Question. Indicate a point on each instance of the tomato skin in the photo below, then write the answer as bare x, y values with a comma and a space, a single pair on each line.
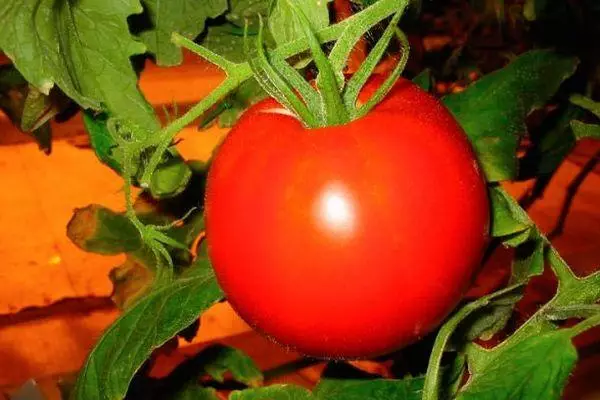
348, 241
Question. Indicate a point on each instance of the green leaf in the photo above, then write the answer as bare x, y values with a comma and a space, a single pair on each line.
529, 259
374, 389
247, 94
82, 46
171, 177
101, 140
284, 25
147, 325
195, 392
508, 219
241, 11
28, 108
587, 104
227, 40
487, 321
493, 110
553, 141
99, 230
535, 368
273, 392
37, 110
423, 80
220, 359
585, 131
186, 17
511, 223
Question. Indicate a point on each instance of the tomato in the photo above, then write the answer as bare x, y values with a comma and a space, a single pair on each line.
347, 241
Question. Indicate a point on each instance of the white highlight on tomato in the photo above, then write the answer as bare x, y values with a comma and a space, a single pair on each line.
336, 212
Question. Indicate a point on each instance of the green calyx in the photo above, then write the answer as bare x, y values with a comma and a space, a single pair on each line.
309, 108
331, 101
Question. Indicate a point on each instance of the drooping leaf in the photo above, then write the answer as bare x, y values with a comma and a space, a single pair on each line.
36, 110
186, 17
99, 230
148, 324
535, 368
285, 27
27, 108
43, 137
218, 359
13, 90
83, 47
493, 110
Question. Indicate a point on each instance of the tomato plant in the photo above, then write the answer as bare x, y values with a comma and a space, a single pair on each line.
350, 248
345, 215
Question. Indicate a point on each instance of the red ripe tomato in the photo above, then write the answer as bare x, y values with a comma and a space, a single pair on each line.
347, 241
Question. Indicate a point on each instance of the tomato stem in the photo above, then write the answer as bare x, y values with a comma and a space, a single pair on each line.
239, 73
433, 377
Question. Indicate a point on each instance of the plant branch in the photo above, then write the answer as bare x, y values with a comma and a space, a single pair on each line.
433, 376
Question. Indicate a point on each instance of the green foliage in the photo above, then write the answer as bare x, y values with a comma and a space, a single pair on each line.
231, 109
172, 174
195, 392
285, 27
339, 389
373, 389
27, 107
492, 110
583, 130
186, 17
273, 392
99, 230
83, 47
227, 40
148, 324
539, 367
241, 11
423, 80
219, 359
